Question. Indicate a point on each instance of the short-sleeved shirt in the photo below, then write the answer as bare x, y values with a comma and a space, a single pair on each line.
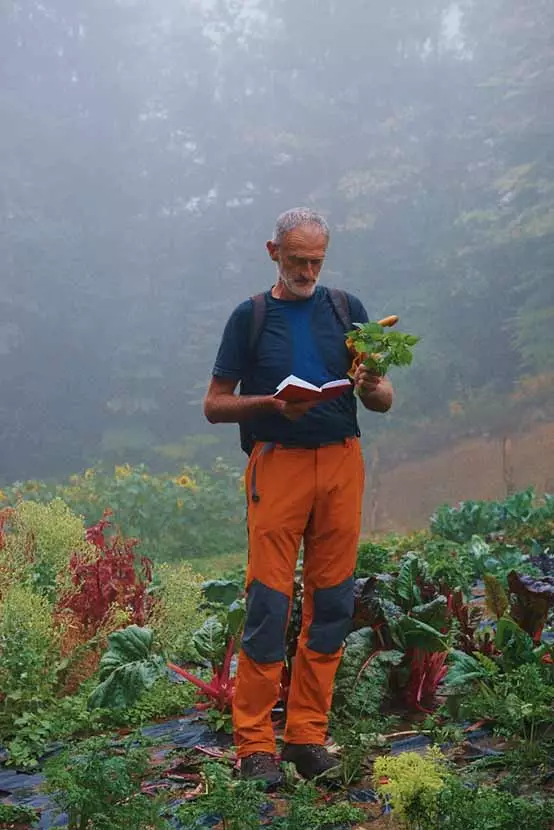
300, 337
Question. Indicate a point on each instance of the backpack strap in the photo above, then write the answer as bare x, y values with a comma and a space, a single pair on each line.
256, 320
339, 301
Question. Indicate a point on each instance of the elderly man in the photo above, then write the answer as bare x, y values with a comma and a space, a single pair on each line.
304, 482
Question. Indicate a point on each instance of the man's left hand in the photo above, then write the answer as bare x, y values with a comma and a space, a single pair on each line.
375, 391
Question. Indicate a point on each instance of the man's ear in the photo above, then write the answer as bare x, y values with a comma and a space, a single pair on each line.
273, 250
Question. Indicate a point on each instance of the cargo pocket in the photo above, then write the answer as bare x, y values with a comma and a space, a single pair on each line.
267, 613
332, 620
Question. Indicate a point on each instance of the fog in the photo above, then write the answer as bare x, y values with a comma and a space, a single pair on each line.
146, 147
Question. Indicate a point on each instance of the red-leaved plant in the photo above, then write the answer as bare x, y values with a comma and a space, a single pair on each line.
116, 577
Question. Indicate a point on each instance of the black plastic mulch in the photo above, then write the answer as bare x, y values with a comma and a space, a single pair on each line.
187, 732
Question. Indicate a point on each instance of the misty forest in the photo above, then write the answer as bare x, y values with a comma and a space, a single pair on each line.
146, 150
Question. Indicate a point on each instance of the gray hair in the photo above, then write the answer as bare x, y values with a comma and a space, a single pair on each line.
291, 219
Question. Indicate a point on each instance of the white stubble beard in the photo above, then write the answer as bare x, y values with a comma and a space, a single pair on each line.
301, 293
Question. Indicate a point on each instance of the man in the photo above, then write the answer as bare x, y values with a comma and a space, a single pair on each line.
304, 481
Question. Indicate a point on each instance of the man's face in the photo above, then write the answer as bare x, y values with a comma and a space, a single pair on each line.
299, 258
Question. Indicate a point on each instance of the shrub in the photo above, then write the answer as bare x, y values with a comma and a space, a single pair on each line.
97, 783
176, 613
412, 782
38, 542
113, 576
483, 808
29, 652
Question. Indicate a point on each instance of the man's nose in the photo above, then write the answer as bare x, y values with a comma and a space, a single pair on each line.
309, 270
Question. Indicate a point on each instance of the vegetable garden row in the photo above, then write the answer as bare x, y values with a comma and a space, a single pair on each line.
116, 678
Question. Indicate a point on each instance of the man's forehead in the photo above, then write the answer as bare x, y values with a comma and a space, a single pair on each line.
305, 240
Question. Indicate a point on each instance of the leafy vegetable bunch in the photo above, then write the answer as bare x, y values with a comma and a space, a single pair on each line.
372, 345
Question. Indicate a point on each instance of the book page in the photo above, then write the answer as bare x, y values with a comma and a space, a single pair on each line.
333, 384
292, 380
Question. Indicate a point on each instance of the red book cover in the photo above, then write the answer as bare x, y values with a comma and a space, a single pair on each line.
296, 390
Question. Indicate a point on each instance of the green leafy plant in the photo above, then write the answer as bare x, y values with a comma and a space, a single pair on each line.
355, 737
467, 807
412, 783
307, 812
131, 665
236, 803
29, 654
373, 559
408, 614
362, 679
176, 612
379, 348
69, 717
98, 784
127, 668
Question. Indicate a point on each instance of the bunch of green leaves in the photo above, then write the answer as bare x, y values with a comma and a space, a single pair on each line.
133, 662
382, 347
97, 783
495, 558
405, 619
236, 802
463, 807
449, 563
307, 812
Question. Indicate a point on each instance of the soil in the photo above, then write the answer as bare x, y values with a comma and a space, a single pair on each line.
408, 493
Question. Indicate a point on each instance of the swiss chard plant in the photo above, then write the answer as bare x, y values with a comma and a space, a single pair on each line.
131, 664
408, 615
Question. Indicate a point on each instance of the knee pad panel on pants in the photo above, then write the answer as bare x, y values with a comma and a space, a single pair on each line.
332, 619
265, 628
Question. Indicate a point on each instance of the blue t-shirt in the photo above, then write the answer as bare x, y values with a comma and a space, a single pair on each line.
300, 337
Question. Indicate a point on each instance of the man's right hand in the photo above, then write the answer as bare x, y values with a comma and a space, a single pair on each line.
294, 411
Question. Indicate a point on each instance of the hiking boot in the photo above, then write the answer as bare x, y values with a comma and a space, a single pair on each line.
310, 760
261, 766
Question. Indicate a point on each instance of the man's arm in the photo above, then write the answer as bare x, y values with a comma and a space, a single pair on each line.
222, 406
376, 392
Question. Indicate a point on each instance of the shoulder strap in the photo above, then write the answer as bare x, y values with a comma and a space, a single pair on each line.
256, 320
341, 305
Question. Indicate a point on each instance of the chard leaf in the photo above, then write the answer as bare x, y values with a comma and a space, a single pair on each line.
465, 670
127, 669
221, 591
412, 569
417, 634
433, 613
210, 641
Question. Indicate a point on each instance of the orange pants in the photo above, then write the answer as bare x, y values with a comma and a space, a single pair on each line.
295, 494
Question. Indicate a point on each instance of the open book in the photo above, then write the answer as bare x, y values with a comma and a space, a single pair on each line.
296, 390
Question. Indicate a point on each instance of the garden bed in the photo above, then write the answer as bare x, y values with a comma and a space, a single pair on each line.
443, 705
